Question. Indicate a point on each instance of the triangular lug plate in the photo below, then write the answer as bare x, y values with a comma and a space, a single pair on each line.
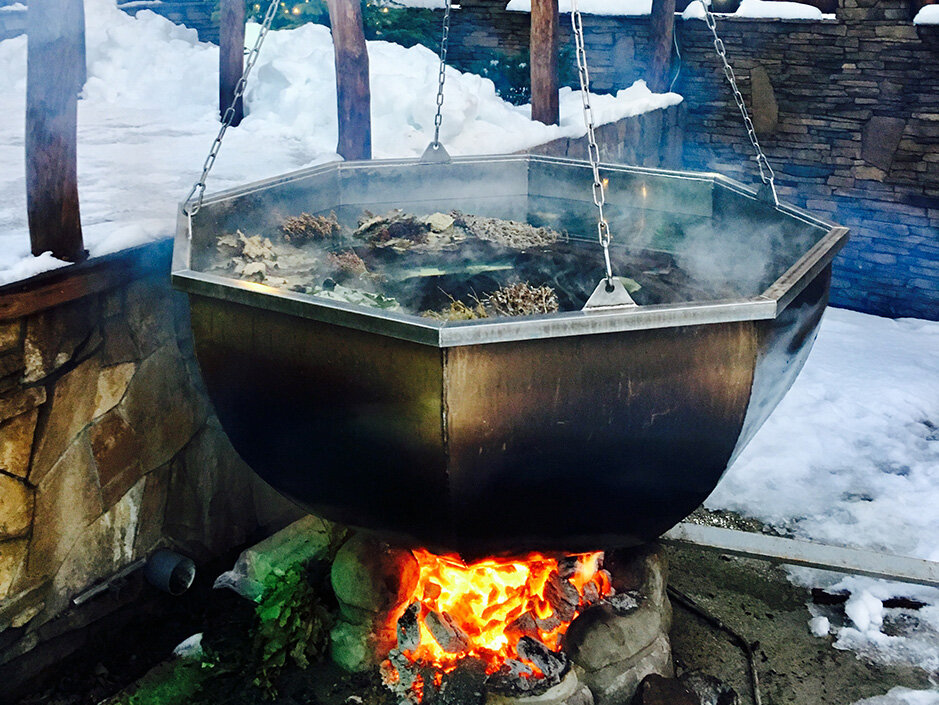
603, 298
435, 154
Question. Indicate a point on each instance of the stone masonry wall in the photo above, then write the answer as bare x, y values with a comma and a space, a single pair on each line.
109, 449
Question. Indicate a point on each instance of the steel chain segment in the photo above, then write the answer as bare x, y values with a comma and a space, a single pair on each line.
442, 76
190, 208
767, 175
593, 150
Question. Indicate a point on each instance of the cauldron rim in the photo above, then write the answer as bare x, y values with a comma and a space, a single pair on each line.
443, 334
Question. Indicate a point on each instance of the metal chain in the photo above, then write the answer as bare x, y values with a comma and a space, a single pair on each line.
593, 151
197, 192
767, 175
442, 77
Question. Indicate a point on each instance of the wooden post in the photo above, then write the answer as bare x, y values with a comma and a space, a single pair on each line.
662, 25
353, 96
543, 60
54, 72
231, 44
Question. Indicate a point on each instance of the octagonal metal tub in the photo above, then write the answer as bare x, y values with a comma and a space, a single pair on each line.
571, 431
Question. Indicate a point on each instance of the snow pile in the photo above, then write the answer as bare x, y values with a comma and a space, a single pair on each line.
148, 115
928, 14
851, 457
903, 696
591, 7
762, 9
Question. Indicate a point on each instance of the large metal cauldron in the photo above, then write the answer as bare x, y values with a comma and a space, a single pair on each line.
573, 431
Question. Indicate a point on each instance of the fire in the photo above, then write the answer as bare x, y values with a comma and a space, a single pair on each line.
483, 609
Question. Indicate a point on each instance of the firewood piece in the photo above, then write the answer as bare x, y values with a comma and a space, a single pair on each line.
562, 596
513, 677
544, 61
552, 665
567, 566
353, 94
523, 626
591, 594
231, 56
446, 632
409, 630
548, 624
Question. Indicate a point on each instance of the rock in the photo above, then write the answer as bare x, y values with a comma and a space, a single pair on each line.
880, 138
657, 690
355, 647
764, 107
304, 540
163, 406
71, 410
67, 500
617, 683
602, 636
869, 173
12, 561
16, 443
112, 383
16, 507
100, 549
21, 401
116, 449
148, 312
53, 336
152, 511
372, 576
570, 691
642, 570
10, 335
708, 689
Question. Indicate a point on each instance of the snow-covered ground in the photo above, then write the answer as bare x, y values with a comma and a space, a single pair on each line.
148, 115
851, 457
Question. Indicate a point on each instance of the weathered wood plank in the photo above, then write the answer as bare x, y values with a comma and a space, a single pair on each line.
353, 94
662, 25
231, 56
54, 76
543, 61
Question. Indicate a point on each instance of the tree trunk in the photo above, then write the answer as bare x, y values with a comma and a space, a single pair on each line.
54, 75
543, 60
231, 56
353, 96
662, 25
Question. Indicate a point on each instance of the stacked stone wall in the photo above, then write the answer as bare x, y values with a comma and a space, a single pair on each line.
109, 449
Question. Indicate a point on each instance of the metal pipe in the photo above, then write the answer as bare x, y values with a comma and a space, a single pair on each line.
170, 572
777, 549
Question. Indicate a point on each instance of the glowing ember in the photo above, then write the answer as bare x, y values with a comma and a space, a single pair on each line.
483, 609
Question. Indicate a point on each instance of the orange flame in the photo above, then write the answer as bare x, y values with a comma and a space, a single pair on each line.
481, 602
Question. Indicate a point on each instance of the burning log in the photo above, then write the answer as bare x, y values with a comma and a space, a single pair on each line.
523, 626
553, 666
446, 632
562, 596
409, 629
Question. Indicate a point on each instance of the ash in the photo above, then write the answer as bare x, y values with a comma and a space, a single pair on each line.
448, 266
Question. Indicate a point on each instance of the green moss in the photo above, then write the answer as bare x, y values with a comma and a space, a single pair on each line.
174, 682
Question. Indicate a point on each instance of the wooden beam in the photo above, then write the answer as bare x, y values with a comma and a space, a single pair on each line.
543, 61
231, 33
54, 75
662, 26
353, 95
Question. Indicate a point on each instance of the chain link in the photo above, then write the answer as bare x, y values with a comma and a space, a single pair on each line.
196, 195
767, 175
593, 151
442, 77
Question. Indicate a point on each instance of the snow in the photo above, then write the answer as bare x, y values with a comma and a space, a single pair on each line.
928, 14
762, 9
148, 115
851, 457
819, 626
903, 696
592, 7
15, 7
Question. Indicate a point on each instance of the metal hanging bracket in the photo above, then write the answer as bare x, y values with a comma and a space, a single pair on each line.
435, 154
609, 294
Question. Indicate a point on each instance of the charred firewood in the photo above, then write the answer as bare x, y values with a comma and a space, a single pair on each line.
624, 602
513, 678
568, 566
552, 665
523, 626
562, 596
591, 594
446, 632
409, 629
